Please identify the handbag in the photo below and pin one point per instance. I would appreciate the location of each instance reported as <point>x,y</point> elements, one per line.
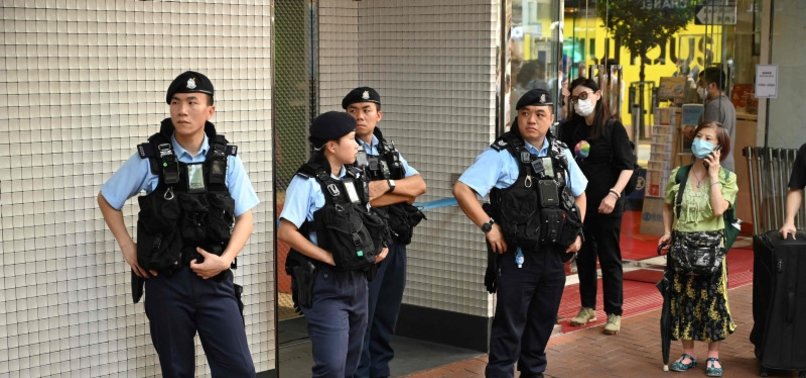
<point>732,223</point>
<point>698,253</point>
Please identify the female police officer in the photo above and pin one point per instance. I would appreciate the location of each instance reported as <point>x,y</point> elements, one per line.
<point>529,195</point>
<point>326,222</point>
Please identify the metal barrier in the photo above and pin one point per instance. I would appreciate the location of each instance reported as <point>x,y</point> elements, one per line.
<point>768,170</point>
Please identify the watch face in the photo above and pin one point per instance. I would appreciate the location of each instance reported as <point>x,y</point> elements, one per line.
<point>487,227</point>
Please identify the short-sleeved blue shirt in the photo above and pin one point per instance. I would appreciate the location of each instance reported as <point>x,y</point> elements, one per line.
<point>302,199</point>
<point>135,176</point>
<point>499,169</point>
<point>372,150</point>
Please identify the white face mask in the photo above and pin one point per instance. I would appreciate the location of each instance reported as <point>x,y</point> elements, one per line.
<point>584,107</point>
<point>702,92</point>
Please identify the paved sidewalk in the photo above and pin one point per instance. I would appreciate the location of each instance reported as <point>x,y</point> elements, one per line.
<point>635,352</point>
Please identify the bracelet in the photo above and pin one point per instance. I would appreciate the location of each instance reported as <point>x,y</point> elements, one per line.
<point>615,193</point>
<point>715,183</point>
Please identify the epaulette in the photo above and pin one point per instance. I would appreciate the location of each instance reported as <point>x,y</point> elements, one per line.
<point>499,144</point>
<point>308,170</point>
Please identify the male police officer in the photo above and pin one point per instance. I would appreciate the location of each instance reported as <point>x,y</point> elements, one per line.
<point>192,224</point>
<point>538,203</point>
<point>393,187</point>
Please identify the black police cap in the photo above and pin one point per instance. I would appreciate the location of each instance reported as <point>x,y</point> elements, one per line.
<point>537,97</point>
<point>190,82</point>
<point>330,126</point>
<point>361,94</point>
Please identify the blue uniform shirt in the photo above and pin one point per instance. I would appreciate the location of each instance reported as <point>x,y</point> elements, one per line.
<point>500,169</point>
<point>372,150</point>
<point>135,175</point>
<point>303,198</point>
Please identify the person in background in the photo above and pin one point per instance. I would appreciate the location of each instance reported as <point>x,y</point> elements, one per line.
<point>794,197</point>
<point>392,190</point>
<point>529,274</point>
<point>718,107</point>
<point>603,152</point>
<point>194,220</point>
<point>699,303</point>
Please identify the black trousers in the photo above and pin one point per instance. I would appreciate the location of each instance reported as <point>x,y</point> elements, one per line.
<point>602,243</point>
<point>180,305</point>
<point>526,310</point>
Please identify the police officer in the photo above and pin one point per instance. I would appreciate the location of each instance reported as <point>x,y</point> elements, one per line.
<point>334,244</point>
<point>192,224</point>
<point>534,184</point>
<point>393,186</point>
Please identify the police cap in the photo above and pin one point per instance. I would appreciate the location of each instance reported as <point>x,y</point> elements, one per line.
<point>330,126</point>
<point>537,97</point>
<point>361,94</point>
<point>190,82</point>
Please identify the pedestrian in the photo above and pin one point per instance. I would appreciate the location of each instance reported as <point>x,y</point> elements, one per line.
<point>533,223</point>
<point>335,242</point>
<point>393,187</point>
<point>718,107</point>
<point>602,150</point>
<point>794,197</point>
<point>193,222</point>
<point>699,302</point>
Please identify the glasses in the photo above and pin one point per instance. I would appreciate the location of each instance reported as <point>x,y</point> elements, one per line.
<point>581,96</point>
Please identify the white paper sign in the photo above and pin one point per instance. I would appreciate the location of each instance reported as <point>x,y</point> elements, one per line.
<point>766,81</point>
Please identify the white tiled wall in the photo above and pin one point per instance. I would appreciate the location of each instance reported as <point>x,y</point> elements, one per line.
<point>81,84</point>
<point>433,62</point>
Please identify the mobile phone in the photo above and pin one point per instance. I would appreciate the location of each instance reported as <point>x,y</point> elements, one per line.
<point>717,148</point>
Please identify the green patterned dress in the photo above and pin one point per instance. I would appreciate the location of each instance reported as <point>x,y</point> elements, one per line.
<point>699,304</point>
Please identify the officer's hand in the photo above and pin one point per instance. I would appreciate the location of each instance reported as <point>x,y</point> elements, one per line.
<point>788,229</point>
<point>130,255</point>
<point>382,255</point>
<point>211,266</point>
<point>496,239</point>
<point>377,188</point>
<point>608,204</point>
<point>575,246</point>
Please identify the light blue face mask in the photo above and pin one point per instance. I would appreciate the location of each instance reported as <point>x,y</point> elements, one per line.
<point>701,148</point>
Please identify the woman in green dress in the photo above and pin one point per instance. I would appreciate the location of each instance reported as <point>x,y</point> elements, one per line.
<point>699,303</point>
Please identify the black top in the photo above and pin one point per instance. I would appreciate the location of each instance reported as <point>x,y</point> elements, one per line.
<point>609,154</point>
<point>797,180</point>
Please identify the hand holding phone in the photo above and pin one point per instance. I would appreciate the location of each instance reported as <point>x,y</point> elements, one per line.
<point>714,155</point>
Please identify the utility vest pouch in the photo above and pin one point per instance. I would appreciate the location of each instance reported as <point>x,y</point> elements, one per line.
<point>377,223</point>
<point>521,220</point>
<point>220,218</point>
<point>346,237</point>
<point>403,217</point>
<point>158,238</point>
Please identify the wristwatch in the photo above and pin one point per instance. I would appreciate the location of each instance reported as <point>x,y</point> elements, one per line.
<point>391,184</point>
<point>486,227</point>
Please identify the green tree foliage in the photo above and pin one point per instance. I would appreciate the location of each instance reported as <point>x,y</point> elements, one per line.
<point>640,25</point>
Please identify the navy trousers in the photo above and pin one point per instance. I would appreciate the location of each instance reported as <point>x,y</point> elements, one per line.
<point>337,321</point>
<point>178,306</point>
<point>602,241</point>
<point>527,302</point>
<point>385,296</point>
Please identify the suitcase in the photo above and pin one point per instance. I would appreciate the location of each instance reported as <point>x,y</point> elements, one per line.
<point>779,302</point>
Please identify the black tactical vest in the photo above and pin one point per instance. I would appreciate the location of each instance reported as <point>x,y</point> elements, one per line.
<point>344,226</point>
<point>402,217</point>
<point>537,209</point>
<point>190,207</point>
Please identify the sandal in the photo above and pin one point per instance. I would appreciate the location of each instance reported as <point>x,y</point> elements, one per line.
<point>710,369</point>
<point>680,366</point>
